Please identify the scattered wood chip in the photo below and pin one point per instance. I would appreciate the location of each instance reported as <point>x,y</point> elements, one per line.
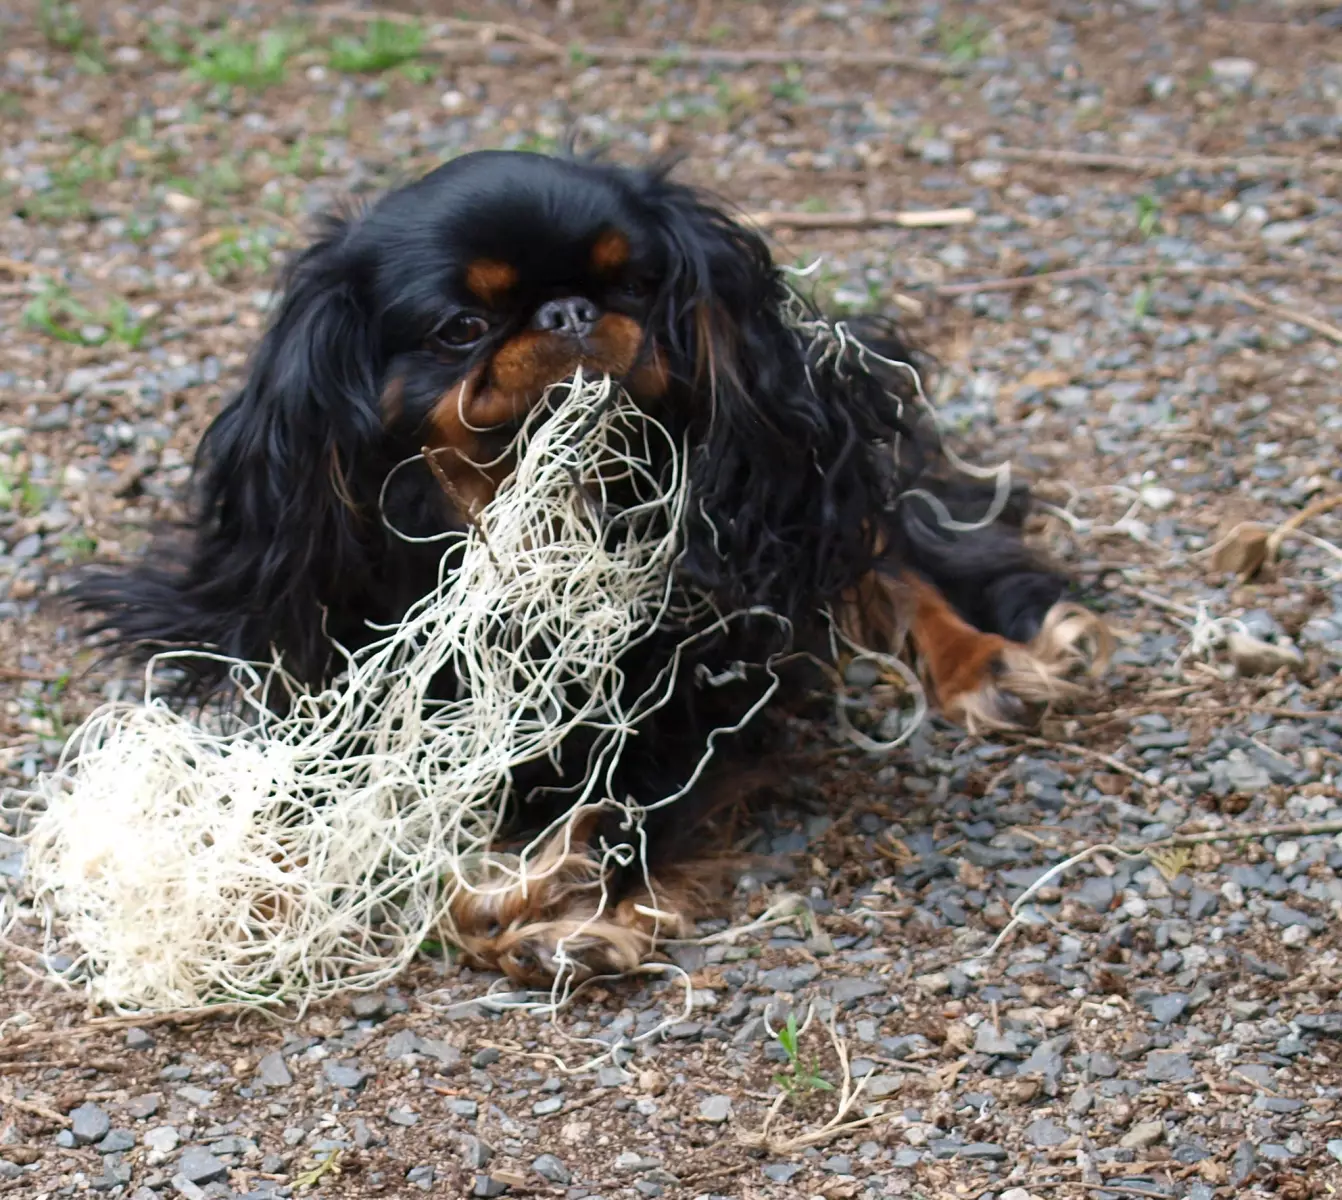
<point>1253,656</point>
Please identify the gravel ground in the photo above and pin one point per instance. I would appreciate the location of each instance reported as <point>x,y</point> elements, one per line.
<point>1167,1024</point>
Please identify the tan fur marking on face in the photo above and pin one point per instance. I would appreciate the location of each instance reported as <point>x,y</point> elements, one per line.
<point>610,252</point>
<point>490,280</point>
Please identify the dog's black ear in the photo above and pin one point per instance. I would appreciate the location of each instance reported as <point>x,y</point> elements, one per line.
<point>789,480</point>
<point>280,518</point>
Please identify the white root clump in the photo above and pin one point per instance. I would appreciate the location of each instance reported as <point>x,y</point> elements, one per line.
<point>287,857</point>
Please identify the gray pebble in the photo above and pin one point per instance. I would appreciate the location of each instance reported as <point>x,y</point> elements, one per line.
<point>988,1041</point>
<point>464,1108</point>
<point>144,1106</point>
<point>117,1141</point>
<point>780,1172</point>
<point>200,1166</point>
<point>272,1071</point>
<point>548,1106</point>
<point>475,1153</point>
<point>186,1189</point>
<point>367,1005</point>
<point>847,992</point>
<point>1044,1132</point>
<point>1097,893</point>
<point>1202,903</point>
<point>1046,1058</point>
<point>422,1177</point>
<point>547,1166</point>
<point>1286,916</point>
<point>485,1058</point>
<point>1166,1066</point>
<point>402,1117</point>
<point>715,1109</point>
<point>89,1124</point>
<point>139,1039</point>
<point>788,979</point>
<point>1168,1009</point>
<point>344,1074</point>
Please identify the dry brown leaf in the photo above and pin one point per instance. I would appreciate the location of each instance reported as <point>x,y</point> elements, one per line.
<point>1253,656</point>
<point>1110,784</point>
<point>1242,551</point>
<point>1043,378</point>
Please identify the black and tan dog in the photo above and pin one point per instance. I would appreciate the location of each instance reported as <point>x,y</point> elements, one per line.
<point>434,322</point>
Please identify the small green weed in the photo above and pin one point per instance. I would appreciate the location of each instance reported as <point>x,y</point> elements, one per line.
<point>232,61</point>
<point>10,105</point>
<point>1148,214</point>
<point>63,199</point>
<point>239,252</point>
<point>1141,302</point>
<point>789,89</point>
<point>384,45</point>
<point>59,315</point>
<point>22,495</point>
<point>799,1077</point>
<point>61,24</point>
<point>79,546</point>
<point>964,41</point>
<point>167,44</point>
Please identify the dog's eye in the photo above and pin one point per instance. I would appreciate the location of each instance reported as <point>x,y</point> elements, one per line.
<point>635,289</point>
<point>460,332</point>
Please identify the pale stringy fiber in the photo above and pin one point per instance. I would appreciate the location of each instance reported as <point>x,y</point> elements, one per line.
<point>284,858</point>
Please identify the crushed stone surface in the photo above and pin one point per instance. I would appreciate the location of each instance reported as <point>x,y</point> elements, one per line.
<point>1161,1025</point>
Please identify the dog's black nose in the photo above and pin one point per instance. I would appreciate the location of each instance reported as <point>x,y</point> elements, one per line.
<point>572,315</point>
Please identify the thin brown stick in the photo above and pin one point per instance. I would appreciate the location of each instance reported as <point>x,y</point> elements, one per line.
<point>9,1100</point>
<point>17,266</point>
<point>1152,164</point>
<point>486,32</point>
<point>1099,756</point>
<point>538,45</point>
<point>1013,283</point>
<point>703,56</point>
<point>1095,721</point>
<point>1251,833</point>
<point>34,676</point>
<point>934,218</point>
<point>1295,316</point>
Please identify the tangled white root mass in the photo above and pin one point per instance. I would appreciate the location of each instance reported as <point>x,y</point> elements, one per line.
<point>286,857</point>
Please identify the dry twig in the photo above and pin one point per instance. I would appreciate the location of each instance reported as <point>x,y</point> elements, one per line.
<point>9,1100</point>
<point>1152,164</point>
<point>1013,283</point>
<point>536,45</point>
<point>1099,756</point>
<point>1295,316</point>
<point>910,219</point>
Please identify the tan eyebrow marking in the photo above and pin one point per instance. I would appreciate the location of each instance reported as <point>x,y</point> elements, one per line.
<point>610,251</point>
<point>490,280</point>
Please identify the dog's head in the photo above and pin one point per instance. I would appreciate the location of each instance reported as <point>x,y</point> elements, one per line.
<point>435,320</point>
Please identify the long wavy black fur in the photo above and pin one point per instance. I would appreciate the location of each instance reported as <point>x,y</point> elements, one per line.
<point>796,488</point>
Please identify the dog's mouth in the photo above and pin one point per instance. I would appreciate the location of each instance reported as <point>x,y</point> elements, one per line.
<point>502,393</point>
<point>469,434</point>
